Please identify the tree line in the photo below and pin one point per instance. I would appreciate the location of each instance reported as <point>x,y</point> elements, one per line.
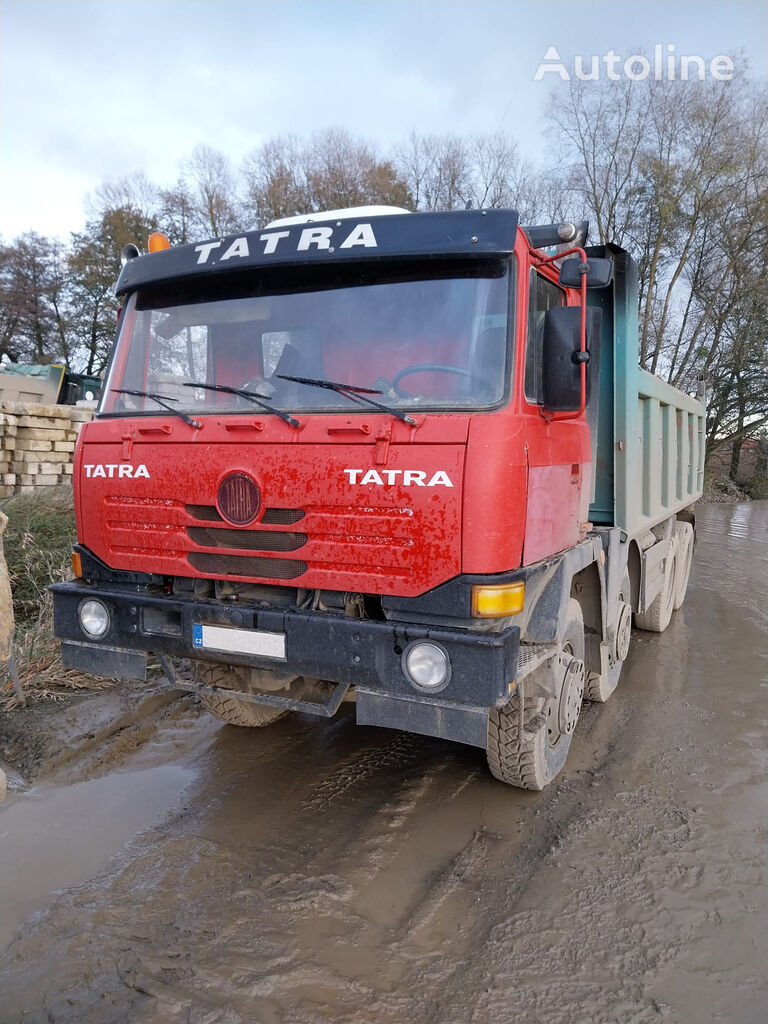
<point>675,172</point>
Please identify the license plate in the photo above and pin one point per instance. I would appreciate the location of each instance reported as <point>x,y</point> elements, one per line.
<point>238,641</point>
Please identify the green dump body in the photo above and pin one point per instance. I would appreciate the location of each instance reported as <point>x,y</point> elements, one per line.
<point>649,436</point>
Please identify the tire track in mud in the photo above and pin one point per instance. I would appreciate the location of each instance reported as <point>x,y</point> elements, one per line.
<point>340,910</point>
<point>337,892</point>
<point>250,896</point>
<point>512,974</point>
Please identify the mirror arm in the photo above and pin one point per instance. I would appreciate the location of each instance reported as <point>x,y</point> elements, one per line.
<point>583,359</point>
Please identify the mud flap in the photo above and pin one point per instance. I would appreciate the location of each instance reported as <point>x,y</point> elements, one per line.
<point>462,723</point>
<point>109,662</point>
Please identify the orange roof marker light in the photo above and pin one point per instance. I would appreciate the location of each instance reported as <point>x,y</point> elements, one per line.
<point>157,241</point>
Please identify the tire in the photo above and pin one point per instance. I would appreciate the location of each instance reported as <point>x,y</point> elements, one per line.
<point>655,619</point>
<point>684,539</point>
<point>600,686</point>
<point>230,709</point>
<point>532,761</point>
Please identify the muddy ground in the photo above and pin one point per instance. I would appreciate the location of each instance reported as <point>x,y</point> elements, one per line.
<point>168,869</point>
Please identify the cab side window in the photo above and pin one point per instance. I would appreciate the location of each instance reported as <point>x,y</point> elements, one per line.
<point>543,295</point>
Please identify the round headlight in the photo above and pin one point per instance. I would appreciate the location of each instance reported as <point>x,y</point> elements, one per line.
<point>427,666</point>
<point>94,618</point>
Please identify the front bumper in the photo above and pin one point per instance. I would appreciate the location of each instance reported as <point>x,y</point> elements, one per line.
<point>366,654</point>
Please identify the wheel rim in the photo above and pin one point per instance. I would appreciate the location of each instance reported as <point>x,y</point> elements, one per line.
<point>623,633</point>
<point>571,697</point>
<point>563,711</point>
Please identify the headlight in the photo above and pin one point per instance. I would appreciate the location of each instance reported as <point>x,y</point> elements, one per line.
<point>427,666</point>
<point>94,618</point>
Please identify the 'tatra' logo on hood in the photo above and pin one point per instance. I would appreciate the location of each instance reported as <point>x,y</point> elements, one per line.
<point>390,477</point>
<point>120,470</point>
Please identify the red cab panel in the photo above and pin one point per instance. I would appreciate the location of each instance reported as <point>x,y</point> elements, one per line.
<point>338,516</point>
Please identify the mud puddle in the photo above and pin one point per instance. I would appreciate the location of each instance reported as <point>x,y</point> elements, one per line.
<point>56,837</point>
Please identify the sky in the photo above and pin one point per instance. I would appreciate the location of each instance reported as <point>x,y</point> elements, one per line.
<point>91,90</point>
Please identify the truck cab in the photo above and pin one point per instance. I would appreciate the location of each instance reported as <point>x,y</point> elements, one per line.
<point>354,457</point>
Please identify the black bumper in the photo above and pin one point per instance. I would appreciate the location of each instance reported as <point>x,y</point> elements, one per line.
<point>363,653</point>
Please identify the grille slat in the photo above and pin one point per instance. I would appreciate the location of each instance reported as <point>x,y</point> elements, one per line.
<point>282,516</point>
<point>207,513</point>
<point>271,517</point>
<point>247,540</point>
<point>247,565</point>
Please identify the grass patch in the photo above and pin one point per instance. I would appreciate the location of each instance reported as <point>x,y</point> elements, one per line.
<point>38,546</point>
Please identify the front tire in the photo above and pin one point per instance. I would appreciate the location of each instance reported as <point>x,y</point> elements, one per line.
<point>533,759</point>
<point>232,710</point>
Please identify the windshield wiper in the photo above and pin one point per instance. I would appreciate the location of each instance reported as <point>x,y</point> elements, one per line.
<point>353,391</point>
<point>161,400</point>
<point>252,396</point>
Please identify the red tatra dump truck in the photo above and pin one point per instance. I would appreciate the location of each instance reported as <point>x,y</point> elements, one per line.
<point>404,459</point>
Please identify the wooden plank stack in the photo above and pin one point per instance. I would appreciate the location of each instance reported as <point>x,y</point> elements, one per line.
<point>37,444</point>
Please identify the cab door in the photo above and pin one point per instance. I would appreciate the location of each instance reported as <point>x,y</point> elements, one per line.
<point>558,450</point>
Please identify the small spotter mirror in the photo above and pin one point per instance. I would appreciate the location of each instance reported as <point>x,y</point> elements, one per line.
<point>599,273</point>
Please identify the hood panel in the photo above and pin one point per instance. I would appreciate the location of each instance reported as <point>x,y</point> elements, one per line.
<point>331,517</point>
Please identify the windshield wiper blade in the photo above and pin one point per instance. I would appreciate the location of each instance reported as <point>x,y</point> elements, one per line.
<point>252,396</point>
<point>353,391</point>
<point>162,400</point>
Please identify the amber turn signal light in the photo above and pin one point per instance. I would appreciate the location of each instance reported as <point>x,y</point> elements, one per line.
<point>497,600</point>
<point>157,241</point>
<point>77,564</point>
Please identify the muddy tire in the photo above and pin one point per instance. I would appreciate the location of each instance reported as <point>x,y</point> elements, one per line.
<point>532,761</point>
<point>684,539</point>
<point>230,709</point>
<point>600,686</point>
<point>655,619</point>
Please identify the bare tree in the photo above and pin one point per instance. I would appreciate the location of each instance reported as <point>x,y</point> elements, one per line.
<point>132,190</point>
<point>677,173</point>
<point>93,268</point>
<point>210,179</point>
<point>285,176</point>
<point>437,170</point>
<point>275,180</point>
<point>175,213</point>
<point>33,316</point>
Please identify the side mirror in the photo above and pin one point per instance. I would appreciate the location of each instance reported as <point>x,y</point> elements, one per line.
<point>562,357</point>
<point>599,273</point>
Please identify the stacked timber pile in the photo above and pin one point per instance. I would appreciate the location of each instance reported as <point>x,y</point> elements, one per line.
<point>37,444</point>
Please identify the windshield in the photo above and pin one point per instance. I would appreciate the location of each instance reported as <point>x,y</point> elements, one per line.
<point>419,337</point>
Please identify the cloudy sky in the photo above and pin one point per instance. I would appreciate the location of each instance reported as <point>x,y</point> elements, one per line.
<point>95,89</point>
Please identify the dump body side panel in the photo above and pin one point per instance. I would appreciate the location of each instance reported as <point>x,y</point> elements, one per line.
<point>650,444</point>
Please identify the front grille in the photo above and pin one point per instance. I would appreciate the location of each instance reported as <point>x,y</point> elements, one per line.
<point>271,517</point>
<point>247,565</point>
<point>371,544</point>
<point>247,540</point>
